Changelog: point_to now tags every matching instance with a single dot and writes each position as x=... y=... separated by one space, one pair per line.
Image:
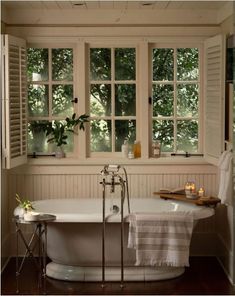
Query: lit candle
x=201 y=192
x=190 y=186
x=190 y=189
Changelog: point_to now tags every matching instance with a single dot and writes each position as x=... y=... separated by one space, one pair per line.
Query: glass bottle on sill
x=156 y=149
x=125 y=148
x=137 y=149
x=131 y=152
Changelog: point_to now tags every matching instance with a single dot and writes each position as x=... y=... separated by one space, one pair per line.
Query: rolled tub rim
x=198 y=212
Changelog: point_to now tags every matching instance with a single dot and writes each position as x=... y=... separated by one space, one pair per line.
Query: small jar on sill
x=156 y=149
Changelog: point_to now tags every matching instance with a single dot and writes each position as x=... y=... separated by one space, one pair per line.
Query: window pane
x=163 y=100
x=37 y=64
x=61 y=100
x=100 y=64
x=125 y=99
x=163 y=131
x=38 y=100
x=37 y=140
x=70 y=143
x=187 y=64
x=187 y=100
x=101 y=139
x=125 y=63
x=69 y=140
x=100 y=100
x=62 y=64
x=163 y=64
x=124 y=129
x=187 y=135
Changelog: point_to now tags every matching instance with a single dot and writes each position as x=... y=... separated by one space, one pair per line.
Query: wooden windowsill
x=176 y=160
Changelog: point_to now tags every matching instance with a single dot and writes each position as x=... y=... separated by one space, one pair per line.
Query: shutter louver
x=214 y=98
x=14 y=100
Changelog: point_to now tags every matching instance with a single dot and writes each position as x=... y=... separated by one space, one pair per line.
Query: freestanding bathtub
x=74 y=241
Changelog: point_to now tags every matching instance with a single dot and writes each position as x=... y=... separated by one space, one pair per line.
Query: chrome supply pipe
x=127 y=190
x=115 y=179
x=122 y=230
x=103 y=236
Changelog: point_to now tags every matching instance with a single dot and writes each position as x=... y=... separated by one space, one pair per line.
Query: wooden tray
x=201 y=201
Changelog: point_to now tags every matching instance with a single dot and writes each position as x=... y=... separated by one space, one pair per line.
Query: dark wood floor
x=203 y=277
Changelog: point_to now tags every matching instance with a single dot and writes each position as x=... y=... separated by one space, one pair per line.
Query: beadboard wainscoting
x=51 y=182
x=43 y=182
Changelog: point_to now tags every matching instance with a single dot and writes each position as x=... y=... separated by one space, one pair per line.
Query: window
x=175 y=91
x=118 y=108
x=50 y=92
x=112 y=98
x=175 y=98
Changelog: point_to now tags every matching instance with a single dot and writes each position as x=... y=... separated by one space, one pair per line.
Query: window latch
x=150 y=100
x=75 y=100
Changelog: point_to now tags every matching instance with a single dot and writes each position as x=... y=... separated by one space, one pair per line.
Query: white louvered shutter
x=214 y=98
x=14 y=103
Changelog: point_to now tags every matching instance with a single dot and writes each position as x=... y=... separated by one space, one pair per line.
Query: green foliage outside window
x=107 y=100
x=175 y=93
x=49 y=93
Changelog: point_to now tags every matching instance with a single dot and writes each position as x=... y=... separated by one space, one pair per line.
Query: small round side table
x=38 y=237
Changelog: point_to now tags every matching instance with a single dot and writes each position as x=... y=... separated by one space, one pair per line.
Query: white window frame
x=143 y=111
x=51 y=82
x=113 y=82
x=175 y=82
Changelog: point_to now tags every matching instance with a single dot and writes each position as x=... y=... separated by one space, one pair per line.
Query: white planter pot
x=19 y=211
x=59 y=153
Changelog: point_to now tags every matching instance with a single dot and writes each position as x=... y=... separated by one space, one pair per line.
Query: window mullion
x=50 y=84
x=113 y=98
x=175 y=99
x=200 y=106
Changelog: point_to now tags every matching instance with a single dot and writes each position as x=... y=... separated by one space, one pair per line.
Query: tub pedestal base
x=94 y=274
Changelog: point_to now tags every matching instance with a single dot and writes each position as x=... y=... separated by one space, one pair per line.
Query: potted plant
x=57 y=131
x=24 y=205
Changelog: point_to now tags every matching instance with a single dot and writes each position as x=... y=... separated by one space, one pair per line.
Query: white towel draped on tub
x=161 y=239
x=226 y=184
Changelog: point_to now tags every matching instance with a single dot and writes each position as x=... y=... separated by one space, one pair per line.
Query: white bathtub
x=75 y=239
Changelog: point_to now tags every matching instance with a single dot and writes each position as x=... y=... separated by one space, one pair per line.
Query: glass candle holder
x=201 y=192
x=190 y=189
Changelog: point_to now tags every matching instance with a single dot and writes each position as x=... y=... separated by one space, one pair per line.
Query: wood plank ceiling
x=99 y=4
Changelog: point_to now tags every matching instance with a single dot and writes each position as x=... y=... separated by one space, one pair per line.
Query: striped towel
x=161 y=239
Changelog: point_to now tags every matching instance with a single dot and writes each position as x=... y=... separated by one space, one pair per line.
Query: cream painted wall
x=227 y=26
x=2 y=27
